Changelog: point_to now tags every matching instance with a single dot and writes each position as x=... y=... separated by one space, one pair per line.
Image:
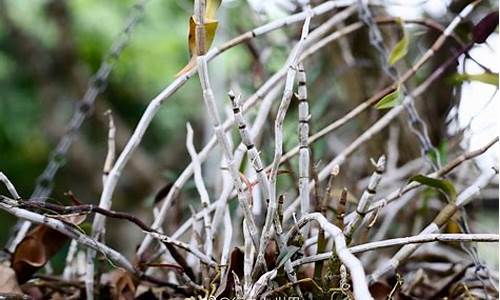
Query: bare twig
x=463 y=198
x=441 y=172
x=366 y=198
x=354 y=266
x=278 y=140
x=249 y=251
x=200 y=186
x=10 y=187
x=395 y=111
x=98 y=225
x=211 y=107
x=155 y=104
x=421 y=238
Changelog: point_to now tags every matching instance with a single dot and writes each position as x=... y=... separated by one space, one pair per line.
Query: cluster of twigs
x=275 y=231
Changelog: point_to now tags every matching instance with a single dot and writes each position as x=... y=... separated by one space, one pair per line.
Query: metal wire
x=96 y=85
x=415 y=122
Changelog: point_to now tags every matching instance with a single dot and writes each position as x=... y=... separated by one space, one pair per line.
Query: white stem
x=278 y=139
x=10 y=187
x=303 y=142
x=360 y=285
x=202 y=190
x=154 y=106
x=366 y=198
x=249 y=251
x=406 y=251
x=421 y=238
x=99 y=223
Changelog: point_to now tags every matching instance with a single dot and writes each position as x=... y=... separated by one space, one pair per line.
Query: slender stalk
x=441 y=219
x=440 y=173
x=250 y=102
x=10 y=187
x=327 y=197
x=157 y=101
x=264 y=182
x=249 y=252
x=211 y=107
x=421 y=238
x=252 y=150
x=72 y=232
x=354 y=266
x=202 y=190
x=69 y=266
x=393 y=195
x=304 y=156
x=271 y=82
x=395 y=111
x=366 y=198
x=396 y=194
x=278 y=140
x=98 y=225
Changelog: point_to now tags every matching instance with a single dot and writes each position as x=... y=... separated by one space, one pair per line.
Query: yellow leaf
x=192 y=36
x=212 y=6
x=210 y=29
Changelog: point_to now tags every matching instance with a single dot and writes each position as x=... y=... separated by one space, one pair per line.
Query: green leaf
x=440 y=155
x=488 y=78
x=286 y=255
x=443 y=185
x=401 y=48
x=390 y=100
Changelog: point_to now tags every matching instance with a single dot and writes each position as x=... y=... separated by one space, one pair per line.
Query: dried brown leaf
x=38 y=247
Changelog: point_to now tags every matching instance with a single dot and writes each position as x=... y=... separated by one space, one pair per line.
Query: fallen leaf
x=121 y=283
x=38 y=247
x=236 y=261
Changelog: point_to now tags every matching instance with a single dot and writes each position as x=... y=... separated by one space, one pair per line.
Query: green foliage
x=390 y=100
x=443 y=185
x=488 y=78
x=401 y=48
x=440 y=154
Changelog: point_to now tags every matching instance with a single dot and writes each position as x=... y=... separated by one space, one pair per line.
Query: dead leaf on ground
x=38 y=247
x=236 y=261
x=121 y=283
